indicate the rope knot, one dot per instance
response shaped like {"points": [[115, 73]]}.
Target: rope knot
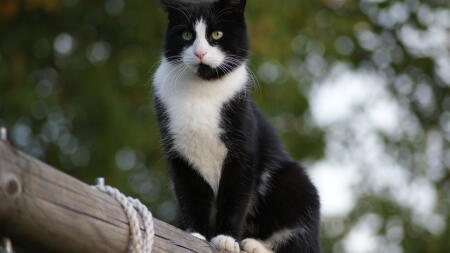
{"points": [[140, 241]]}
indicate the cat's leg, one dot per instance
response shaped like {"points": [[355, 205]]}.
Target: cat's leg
{"points": [[195, 198], [288, 211], [233, 201], [298, 244]]}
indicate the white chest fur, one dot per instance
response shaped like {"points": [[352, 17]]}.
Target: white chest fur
{"points": [[194, 110]]}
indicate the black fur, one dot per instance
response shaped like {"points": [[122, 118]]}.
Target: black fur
{"points": [[239, 209]]}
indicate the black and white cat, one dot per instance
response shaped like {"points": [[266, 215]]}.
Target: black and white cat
{"points": [[234, 183]]}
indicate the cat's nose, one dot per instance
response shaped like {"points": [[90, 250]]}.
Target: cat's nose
{"points": [[200, 54]]}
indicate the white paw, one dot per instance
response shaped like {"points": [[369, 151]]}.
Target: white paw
{"points": [[227, 243], [199, 236], [250, 245]]}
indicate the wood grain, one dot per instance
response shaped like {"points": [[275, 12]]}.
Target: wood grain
{"points": [[42, 205]]}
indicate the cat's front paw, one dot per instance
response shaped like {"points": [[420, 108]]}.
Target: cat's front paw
{"points": [[227, 243], [250, 245]]}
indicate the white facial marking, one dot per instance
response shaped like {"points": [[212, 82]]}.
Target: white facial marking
{"points": [[201, 45], [194, 109], [211, 55]]}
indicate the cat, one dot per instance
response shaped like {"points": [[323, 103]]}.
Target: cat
{"points": [[234, 183]]}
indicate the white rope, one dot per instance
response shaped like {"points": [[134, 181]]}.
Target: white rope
{"points": [[140, 242]]}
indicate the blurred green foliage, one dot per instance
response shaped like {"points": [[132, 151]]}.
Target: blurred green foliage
{"points": [[75, 91]]}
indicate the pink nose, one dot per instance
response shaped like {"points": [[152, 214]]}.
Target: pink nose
{"points": [[200, 54]]}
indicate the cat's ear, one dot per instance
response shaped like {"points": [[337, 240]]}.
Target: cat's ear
{"points": [[168, 5], [237, 4]]}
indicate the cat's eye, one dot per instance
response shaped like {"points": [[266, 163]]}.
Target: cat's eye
{"points": [[217, 35], [187, 35]]}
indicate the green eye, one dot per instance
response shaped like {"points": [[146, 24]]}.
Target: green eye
{"points": [[217, 35], [186, 35]]}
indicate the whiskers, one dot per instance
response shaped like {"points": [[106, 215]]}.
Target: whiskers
{"points": [[231, 62], [183, 67], [172, 77], [254, 78]]}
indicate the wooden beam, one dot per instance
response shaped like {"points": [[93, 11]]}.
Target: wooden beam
{"points": [[44, 206]]}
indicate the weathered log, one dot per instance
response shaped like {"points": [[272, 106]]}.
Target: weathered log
{"points": [[42, 205]]}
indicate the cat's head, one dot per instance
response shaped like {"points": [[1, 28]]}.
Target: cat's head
{"points": [[209, 38]]}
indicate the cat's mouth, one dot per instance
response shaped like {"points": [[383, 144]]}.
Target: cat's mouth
{"points": [[212, 69], [207, 72], [203, 65]]}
